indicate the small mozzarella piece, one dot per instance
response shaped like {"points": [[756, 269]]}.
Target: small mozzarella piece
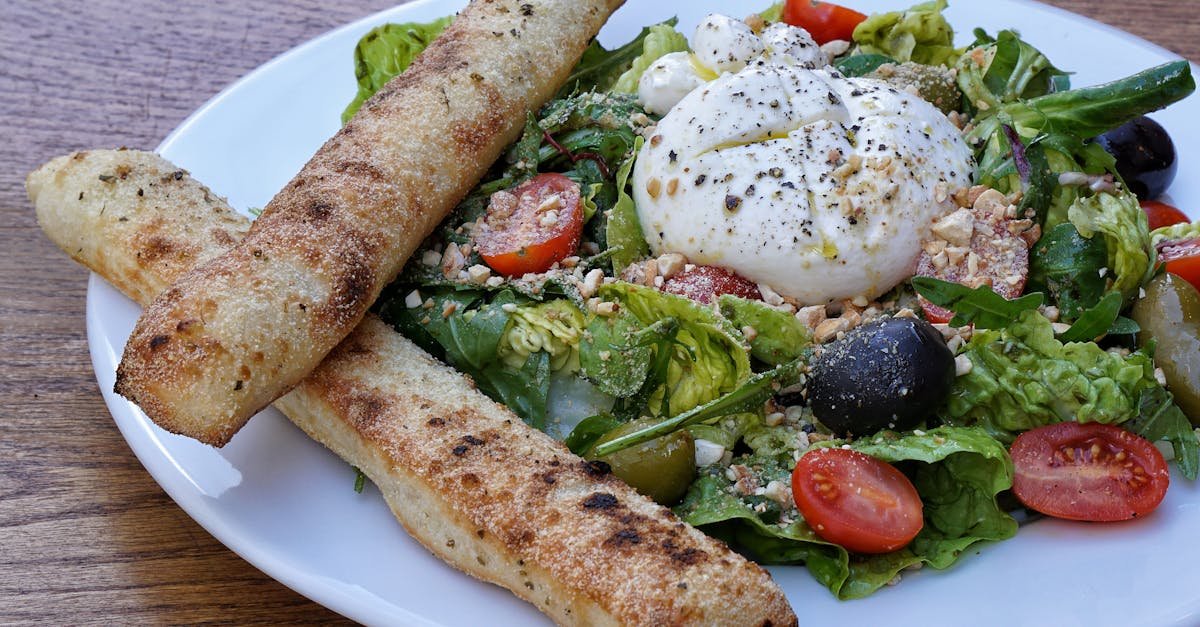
{"points": [[708, 453], [788, 45], [724, 44], [667, 81]]}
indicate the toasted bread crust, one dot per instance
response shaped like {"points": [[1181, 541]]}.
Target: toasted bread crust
{"points": [[237, 332], [486, 493]]}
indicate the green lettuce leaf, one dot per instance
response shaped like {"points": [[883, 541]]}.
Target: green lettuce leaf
{"points": [[660, 40], [773, 13], [958, 473], [553, 327], [1175, 233], [1022, 378], [599, 69], [1126, 231], [1003, 70], [778, 336], [920, 33], [387, 51], [709, 358], [612, 356]]}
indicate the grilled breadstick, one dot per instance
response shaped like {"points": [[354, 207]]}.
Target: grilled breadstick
{"points": [[469, 480], [238, 332]]}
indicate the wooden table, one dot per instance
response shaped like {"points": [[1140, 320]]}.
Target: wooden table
{"points": [[85, 534]]}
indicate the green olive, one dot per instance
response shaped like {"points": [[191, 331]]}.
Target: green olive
{"points": [[662, 468], [1170, 316]]}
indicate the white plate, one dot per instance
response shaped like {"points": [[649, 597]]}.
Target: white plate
{"points": [[287, 505]]}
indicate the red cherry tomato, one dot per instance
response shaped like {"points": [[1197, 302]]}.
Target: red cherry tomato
{"points": [[531, 226], [1161, 214], [1182, 258], [1088, 471], [825, 21], [704, 283], [857, 501]]}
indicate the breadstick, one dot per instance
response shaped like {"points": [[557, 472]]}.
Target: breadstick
{"points": [[475, 485], [239, 331]]}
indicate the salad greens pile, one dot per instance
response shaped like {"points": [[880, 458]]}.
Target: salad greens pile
{"points": [[726, 372]]}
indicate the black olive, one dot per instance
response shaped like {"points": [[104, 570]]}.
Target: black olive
{"points": [[1145, 156], [892, 373]]}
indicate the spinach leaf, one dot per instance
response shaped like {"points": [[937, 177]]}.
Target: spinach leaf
{"points": [[862, 64], [523, 391], [590, 429], [979, 306], [1096, 321], [1159, 418], [1067, 266]]}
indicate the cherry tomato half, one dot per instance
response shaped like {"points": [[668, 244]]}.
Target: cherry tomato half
{"points": [[1088, 471], [531, 226], [704, 283], [825, 21], [1161, 214], [857, 501], [1183, 259]]}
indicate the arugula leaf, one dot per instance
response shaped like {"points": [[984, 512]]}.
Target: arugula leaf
{"points": [[360, 480], [748, 397], [590, 429], [662, 337], [1159, 418], [980, 306], [1124, 326]]}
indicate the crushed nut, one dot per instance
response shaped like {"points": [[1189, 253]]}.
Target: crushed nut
{"points": [[670, 264]]}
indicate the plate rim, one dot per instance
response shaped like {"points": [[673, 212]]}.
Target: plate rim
{"points": [[141, 430]]}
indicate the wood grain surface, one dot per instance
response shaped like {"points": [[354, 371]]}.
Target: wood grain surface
{"points": [[86, 535]]}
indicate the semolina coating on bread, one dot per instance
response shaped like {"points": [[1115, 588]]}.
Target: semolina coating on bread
{"points": [[237, 332], [465, 476]]}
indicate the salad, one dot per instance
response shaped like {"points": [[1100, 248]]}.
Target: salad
{"points": [[838, 292]]}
